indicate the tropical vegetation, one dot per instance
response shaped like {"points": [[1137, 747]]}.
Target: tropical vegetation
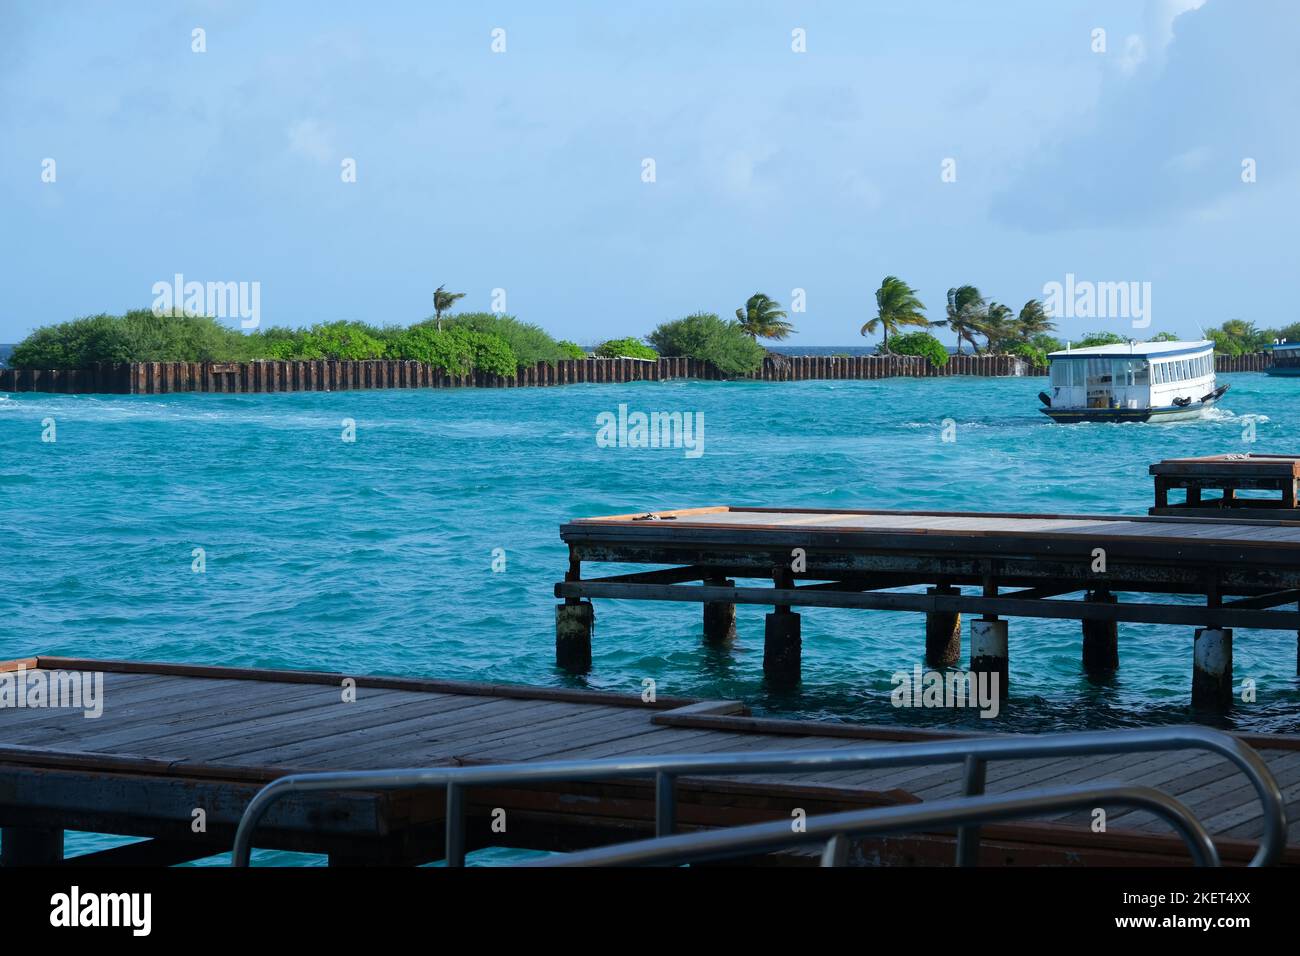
{"points": [[763, 318], [498, 344], [920, 343], [703, 335], [897, 306], [625, 348]]}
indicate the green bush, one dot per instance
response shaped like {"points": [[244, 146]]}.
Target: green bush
{"points": [[1100, 338], [625, 348], [1035, 356], [920, 343], [529, 343], [705, 336], [571, 350], [1238, 337], [456, 349], [344, 341], [138, 336]]}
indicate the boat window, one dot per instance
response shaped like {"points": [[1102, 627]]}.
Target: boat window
{"points": [[1159, 368], [1141, 372], [1061, 373], [1099, 373]]}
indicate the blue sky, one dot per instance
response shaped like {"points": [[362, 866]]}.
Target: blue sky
{"points": [[774, 170]]}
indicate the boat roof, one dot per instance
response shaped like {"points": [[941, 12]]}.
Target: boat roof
{"points": [[1141, 349], [1283, 346]]}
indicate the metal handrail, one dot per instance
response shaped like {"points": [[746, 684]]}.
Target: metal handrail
{"points": [[835, 828], [973, 753]]}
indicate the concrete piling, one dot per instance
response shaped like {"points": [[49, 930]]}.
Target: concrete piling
{"points": [[1212, 669], [988, 649]]}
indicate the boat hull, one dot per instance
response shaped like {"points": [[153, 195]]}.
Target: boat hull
{"points": [[1169, 413]]}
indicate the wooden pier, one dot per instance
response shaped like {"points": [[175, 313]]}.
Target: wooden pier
{"points": [[180, 750], [1228, 475], [1238, 573]]}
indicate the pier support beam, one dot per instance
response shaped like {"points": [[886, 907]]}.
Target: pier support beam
{"points": [[782, 647], [573, 626], [942, 632], [988, 650], [1212, 669], [719, 616], [1100, 640], [27, 846]]}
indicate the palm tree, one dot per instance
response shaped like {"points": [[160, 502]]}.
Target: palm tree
{"points": [[1033, 320], [896, 307], [965, 311], [997, 326], [763, 318], [442, 301]]}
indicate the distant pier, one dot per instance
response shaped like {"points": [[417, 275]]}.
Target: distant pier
{"points": [[1240, 574]]}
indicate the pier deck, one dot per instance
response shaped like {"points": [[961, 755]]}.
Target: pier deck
{"points": [[177, 742], [1228, 475], [1229, 573]]}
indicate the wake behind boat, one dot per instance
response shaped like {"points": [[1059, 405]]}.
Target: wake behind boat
{"points": [[1138, 382]]}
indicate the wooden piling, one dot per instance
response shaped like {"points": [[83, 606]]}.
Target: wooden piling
{"points": [[719, 616], [1100, 639], [573, 626], [942, 632]]}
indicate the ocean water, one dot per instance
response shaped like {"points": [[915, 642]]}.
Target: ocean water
{"points": [[376, 556]]}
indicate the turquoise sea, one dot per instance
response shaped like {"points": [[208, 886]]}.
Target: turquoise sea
{"points": [[376, 556]]}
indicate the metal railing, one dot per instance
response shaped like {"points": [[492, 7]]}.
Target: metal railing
{"points": [[834, 829], [973, 753]]}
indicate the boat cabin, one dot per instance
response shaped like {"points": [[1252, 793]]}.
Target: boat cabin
{"points": [[1286, 359]]}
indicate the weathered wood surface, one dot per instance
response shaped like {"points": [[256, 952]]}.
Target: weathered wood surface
{"points": [[1221, 555], [174, 738], [1228, 474]]}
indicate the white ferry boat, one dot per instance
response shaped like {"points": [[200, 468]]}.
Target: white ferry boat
{"points": [[1141, 382]]}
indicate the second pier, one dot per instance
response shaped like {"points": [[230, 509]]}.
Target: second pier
{"points": [[1100, 570]]}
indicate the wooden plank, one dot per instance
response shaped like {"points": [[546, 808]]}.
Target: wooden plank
{"points": [[461, 743], [207, 726], [152, 703], [369, 710], [321, 746], [517, 691]]}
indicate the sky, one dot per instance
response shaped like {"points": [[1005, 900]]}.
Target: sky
{"points": [[501, 149]]}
